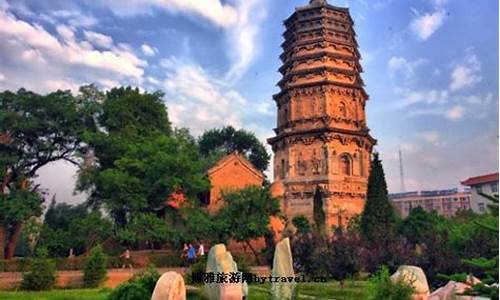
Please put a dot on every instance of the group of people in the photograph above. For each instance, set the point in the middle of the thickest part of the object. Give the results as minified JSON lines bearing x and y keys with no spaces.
{"x":190,"y":253}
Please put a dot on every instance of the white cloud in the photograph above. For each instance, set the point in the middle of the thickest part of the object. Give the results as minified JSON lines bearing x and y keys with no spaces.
{"x":410,"y":97}
{"x":74,"y":18}
{"x":198,"y":101}
{"x":432,"y":137}
{"x":148,"y":50}
{"x":215,"y":11}
{"x":400,"y":65}
{"x":455,"y":113}
{"x":479,"y":99}
{"x":242,"y":36}
{"x":425,"y":25}
{"x":98,"y":39}
{"x":241,"y":22}
{"x":466,"y":74}
{"x":36,"y":59}
{"x":2,"y":77}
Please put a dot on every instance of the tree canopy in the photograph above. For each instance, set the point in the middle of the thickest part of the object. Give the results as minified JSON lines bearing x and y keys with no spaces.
{"x":379,"y":214}
{"x":140,"y":160}
{"x":35,"y":130}
{"x":215,"y":143}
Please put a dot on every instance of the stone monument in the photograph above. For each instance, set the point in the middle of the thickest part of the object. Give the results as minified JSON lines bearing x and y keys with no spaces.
{"x":220,"y":261}
{"x":414,"y":276}
{"x":170,"y":286}
{"x":283,"y":268}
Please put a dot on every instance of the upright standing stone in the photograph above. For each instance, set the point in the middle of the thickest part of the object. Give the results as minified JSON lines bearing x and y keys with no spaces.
{"x":221,"y":261}
{"x":414,"y":276}
{"x":451,"y":291}
{"x":170,"y":286}
{"x":283,"y":268}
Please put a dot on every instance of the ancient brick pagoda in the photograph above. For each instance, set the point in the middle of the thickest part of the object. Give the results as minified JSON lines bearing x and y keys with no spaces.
{"x":322,"y":139}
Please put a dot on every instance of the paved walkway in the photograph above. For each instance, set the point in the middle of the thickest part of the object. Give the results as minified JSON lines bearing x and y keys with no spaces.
{"x":10,"y":280}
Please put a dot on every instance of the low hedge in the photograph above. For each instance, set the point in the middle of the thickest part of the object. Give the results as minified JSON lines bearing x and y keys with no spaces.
{"x":160,"y":260}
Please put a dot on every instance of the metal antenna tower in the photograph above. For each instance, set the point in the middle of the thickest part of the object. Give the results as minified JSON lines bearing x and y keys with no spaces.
{"x":401,"y":174}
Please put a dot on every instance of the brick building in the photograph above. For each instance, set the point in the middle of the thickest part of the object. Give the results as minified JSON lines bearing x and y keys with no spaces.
{"x":232,"y":172}
{"x":322,"y":139}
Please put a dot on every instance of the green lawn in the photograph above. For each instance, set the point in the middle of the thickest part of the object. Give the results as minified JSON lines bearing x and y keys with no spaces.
{"x":77,"y":294}
{"x":331,"y":290}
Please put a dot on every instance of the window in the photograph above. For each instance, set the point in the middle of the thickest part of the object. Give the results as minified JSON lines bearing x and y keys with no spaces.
{"x":481,"y":207}
{"x":345,"y":164}
{"x":479,"y":189}
{"x":494,"y":187}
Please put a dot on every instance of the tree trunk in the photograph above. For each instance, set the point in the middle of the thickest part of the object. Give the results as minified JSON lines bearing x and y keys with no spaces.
{"x":12,"y":242}
{"x":3,"y":236}
{"x":254,"y":252}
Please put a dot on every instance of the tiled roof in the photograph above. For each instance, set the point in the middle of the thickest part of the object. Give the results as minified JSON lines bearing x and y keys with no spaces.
{"x":493,"y":177}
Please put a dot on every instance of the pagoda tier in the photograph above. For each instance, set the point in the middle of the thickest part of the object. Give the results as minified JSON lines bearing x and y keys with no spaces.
{"x":322,"y":139}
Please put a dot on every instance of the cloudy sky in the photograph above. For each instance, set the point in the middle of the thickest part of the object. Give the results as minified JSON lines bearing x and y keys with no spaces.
{"x":431,"y":70}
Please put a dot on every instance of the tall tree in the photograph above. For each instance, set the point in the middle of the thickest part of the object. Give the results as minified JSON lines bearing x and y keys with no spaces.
{"x":379,"y":215}
{"x":247,"y":213}
{"x":318,"y":211}
{"x":35,"y":130}
{"x":140,"y":160}
{"x":214,"y":143}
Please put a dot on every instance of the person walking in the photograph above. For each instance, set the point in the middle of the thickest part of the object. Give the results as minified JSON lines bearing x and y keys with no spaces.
{"x":184,"y":255}
{"x":191,"y":255}
{"x":127,"y":259}
{"x":201,"y":250}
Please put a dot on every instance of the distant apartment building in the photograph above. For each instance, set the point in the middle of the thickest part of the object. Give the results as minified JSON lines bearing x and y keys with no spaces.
{"x":444,"y":202}
{"x":487,"y":184}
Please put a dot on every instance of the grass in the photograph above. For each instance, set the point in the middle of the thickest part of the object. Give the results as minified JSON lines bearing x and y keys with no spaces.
{"x":77,"y":294}
{"x":331,"y":290}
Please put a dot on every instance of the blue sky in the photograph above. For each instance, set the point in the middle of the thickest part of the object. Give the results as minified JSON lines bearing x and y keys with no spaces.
{"x":431,"y":70}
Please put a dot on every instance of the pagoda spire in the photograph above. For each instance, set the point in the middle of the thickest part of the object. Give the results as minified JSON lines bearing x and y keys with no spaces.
{"x":318,"y":2}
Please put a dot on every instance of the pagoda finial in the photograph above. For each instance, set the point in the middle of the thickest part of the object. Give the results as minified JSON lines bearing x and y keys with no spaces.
{"x":317,"y":2}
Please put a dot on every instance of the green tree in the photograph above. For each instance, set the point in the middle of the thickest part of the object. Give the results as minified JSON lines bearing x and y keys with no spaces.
{"x":146,"y":227}
{"x":140,"y":161}
{"x":94,"y":269}
{"x":215,"y":143}
{"x":418,"y":223}
{"x":489,"y":265}
{"x":35,"y":130}
{"x":302,"y":224}
{"x":247,"y":212}
{"x":318,"y":211}
{"x":379,"y":214}
{"x":90,"y":231}
{"x":41,"y":274}
{"x":72,"y":226}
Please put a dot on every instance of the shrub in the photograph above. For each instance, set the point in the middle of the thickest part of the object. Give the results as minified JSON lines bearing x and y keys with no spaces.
{"x":140,"y":287}
{"x":302,"y":224}
{"x":243,"y":264}
{"x":199,"y":267}
{"x":41,"y":274}
{"x":148,"y":278}
{"x":94,"y":270}
{"x":381,"y":287}
{"x":130,"y":290}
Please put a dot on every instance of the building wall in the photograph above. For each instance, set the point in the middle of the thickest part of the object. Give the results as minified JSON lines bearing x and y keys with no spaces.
{"x":444,"y":205}
{"x":233,"y":175}
{"x":479,"y":204}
